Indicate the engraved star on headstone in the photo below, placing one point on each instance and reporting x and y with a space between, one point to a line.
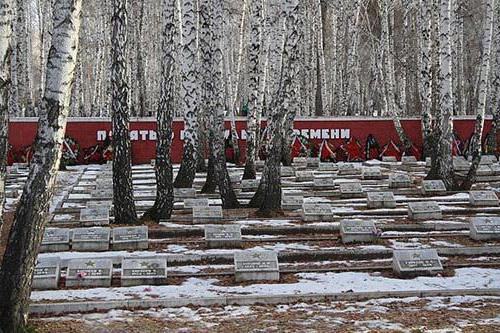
90 263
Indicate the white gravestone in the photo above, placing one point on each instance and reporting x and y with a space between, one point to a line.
399 180
46 275
287 171
407 263
143 271
353 231
328 167
102 193
256 266
223 236
304 176
324 183
55 240
190 203
292 202
428 210
90 239
316 212
99 203
389 159
130 238
372 173
460 164
483 198
96 215
183 193
484 170
380 200
348 169
313 162
495 169
351 190
89 273
409 161
207 214
433 187
249 185
300 162
485 228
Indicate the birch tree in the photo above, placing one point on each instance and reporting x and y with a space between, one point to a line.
6 16
31 214
189 93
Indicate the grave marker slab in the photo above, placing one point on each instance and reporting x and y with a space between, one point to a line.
460 164
485 228
55 240
484 170
406 263
96 215
495 169
287 171
324 183
409 160
184 193
223 236
91 239
102 193
304 176
143 271
348 169
372 173
250 185
207 214
97 203
328 167
427 210
389 159
313 162
399 180
130 238
292 202
351 190
195 202
316 212
353 231
46 275
89 273
380 200
433 187
483 198
256 266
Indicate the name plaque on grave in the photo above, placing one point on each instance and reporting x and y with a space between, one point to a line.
357 231
313 162
424 210
292 202
181 193
316 212
399 180
91 239
483 198
372 173
217 236
327 167
46 274
143 271
351 190
210 213
409 160
389 159
256 265
250 184
55 240
433 187
346 169
411 262
381 200
191 202
304 176
324 183
95 215
287 171
89 272
485 228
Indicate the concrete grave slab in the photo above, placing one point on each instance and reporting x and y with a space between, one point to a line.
223 236
380 200
143 271
256 266
304 176
433 187
130 238
483 198
46 275
485 228
408 263
351 190
89 273
358 231
427 210
372 173
184 193
292 202
316 212
399 180
207 214
91 239
95 215
55 240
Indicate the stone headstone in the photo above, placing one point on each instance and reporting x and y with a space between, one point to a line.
99 203
89 273
207 214
353 231
302 161
287 171
409 160
389 159
313 162
55 240
324 183
460 164
195 202
106 193
304 176
427 210
399 180
328 167
486 159
184 193
130 238
495 169
235 177
143 271
223 236
483 198
46 275
407 263
380 200
316 212
372 173
96 215
484 170
485 228
351 190
348 169
256 266
433 187
292 202
250 185
90 239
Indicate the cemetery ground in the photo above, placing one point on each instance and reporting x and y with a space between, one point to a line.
360 247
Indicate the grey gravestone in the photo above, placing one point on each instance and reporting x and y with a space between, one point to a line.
389 159
484 170
249 185
324 183
91 239
304 176
235 177
407 263
97 215
102 193
55 240
287 171
256 266
486 159
223 236
99 203
409 160
433 187
372 173
130 238
89 273
46 275
399 180
495 169
302 161
328 167
460 164
292 202
313 162
351 190
424 210
316 212
195 202
380 200
184 193
207 214
143 271
348 169
485 228
353 231
483 198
